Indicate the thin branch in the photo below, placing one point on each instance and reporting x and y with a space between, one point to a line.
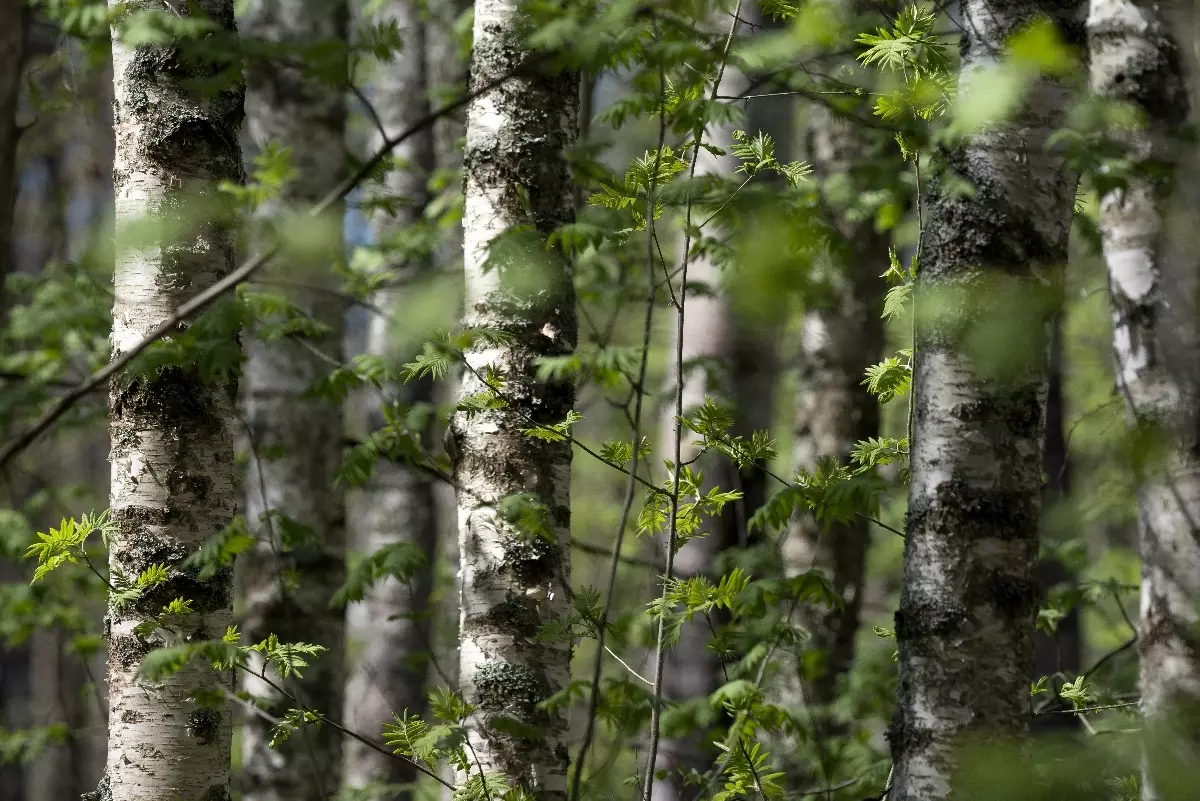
374 746
630 484
660 650
1085 710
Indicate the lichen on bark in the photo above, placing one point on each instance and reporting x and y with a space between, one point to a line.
1149 250
970 593
516 174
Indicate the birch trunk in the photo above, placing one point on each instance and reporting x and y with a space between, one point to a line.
514 582
1150 254
173 474
388 631
833 408
308 117
965 623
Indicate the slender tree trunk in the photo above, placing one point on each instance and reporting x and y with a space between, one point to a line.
14 666
308 117
173 474
1140 56
970 579
515 581
833 408
388 632
1062 650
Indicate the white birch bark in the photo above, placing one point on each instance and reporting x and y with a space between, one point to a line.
965 623
1137 58
513 583
388 632
308 117
173 474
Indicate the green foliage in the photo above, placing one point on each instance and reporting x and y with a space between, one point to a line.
288 659
748 774
219 551
555 432
291 722
398 560
621 453
649 173
24 746
65 544
694 504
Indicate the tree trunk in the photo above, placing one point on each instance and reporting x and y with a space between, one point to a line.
833 408
970 579
1140 56
515 581
388 632
14 661
308 117
1060 652
173 474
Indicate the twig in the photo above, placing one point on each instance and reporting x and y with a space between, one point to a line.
660 650
630 484
374 746
1087 709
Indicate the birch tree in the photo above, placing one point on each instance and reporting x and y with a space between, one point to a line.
1139 57
173 473
296 441
513 488
970 591
839 340
388 631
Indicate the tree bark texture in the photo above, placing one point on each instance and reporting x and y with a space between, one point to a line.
388 632
173 475
301 437
839 340
514 581
970 586
1138 53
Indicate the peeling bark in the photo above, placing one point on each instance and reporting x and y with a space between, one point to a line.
1149 249
970 587
173 475
388 631
514 582
308 117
